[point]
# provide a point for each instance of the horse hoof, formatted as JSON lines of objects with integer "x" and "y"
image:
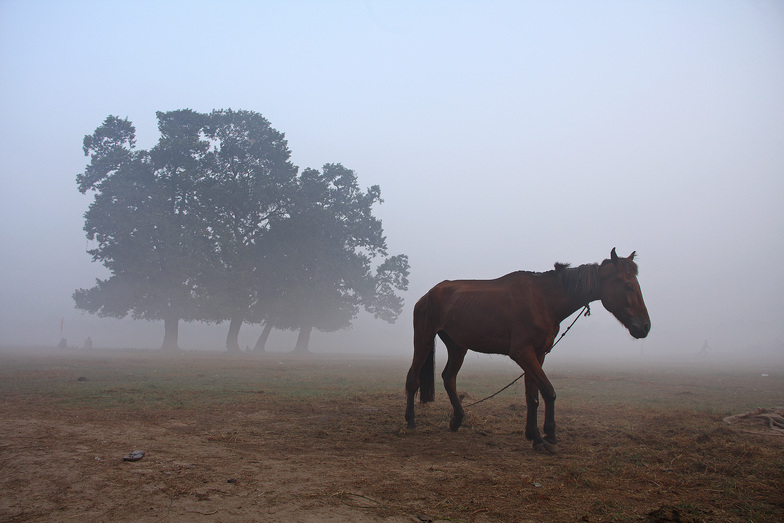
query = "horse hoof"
{"x": 411, "y": 425}
{"x": 545, "y": 446}
{"x": 455, "y": 423}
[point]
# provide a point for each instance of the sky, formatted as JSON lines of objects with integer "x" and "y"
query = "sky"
{"x": 504, "y": 136}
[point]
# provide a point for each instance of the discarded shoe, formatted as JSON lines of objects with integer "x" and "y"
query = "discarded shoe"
{"x": 136, "y": 455}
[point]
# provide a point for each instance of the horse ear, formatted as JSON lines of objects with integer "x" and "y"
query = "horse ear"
{"x": 613, "y": 256}
{"x": 632, "y": 255}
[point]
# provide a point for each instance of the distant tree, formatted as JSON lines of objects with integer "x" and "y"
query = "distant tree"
{"x": 251, "y": 181}
{"x": 320, "y": 259}
{"x": 213, "y": 224}
{"x": 145, "y": 220}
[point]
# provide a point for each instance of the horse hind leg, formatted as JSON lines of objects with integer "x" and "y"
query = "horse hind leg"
{"x": 453, "y": 364}
{"x": 420, "y": 375}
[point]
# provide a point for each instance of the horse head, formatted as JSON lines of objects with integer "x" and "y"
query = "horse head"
{"x": 621, "y": 294}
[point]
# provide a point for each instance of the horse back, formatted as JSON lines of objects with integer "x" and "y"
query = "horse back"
{"x": 484, "y": 315}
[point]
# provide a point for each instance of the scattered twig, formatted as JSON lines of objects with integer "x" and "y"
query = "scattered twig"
{"x": 379, "y": 505}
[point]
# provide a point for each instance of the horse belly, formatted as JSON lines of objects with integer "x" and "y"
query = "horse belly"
{"x": 479, "y": 331}
{"x": 491, "y": 322}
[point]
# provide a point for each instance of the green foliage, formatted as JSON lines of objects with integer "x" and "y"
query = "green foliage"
{"x": 321, "y": 255}
{"x": 214, "y": 224}
{"x": 251, "y": 181}
{"x": 391, "y": 275}
{"x": 111, "y": 146}
{"x": 145, "y": 220}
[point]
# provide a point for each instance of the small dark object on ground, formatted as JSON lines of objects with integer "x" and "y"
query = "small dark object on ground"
{"x": 675, "y": 514}
{"x": 136, "y": 455}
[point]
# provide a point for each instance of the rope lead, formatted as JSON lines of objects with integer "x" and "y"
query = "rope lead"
{"x": 586, "y": 310}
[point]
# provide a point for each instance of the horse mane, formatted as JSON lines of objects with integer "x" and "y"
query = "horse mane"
{"x": 581, "y": 282}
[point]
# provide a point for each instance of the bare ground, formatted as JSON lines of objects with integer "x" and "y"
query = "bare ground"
{"x": 277, "y": 438}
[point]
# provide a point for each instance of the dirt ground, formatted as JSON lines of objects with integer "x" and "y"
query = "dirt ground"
{"x": 277, "y": 438}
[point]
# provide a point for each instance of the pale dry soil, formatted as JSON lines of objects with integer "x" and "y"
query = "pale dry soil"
{"x": 278, "y": 438}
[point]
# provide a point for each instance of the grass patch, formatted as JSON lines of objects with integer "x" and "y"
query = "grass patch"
{"x": 155, "y": 381}
{"x": 632, "y": 443}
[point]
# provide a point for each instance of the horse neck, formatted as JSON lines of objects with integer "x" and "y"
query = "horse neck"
{"x": 578, "y": 287}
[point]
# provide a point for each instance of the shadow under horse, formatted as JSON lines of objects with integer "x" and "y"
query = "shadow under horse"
{"x": 518, "y": 315}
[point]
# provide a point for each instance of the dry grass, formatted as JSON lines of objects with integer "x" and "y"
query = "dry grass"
{"x": 323, "y": 439}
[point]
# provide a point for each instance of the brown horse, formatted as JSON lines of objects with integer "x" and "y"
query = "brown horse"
{"x": 518, "y": 315}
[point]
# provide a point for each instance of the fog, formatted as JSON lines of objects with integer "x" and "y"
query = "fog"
{"x": 504, "y": 136}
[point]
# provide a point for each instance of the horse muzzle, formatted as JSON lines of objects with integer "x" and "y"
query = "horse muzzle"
{"x": 639, "y": 328}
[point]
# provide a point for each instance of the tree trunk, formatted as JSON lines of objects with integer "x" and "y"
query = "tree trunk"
{"x": 261, "y": 343}
{"x": 232, "y": 340}
{"x": 171, "y": 325}
{"x": 303, "y": 339}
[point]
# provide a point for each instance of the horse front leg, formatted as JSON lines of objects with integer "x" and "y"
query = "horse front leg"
{"x": 532, "y": 405}
{"x": 550, "y": 441}
{"x": 536, "y": 382}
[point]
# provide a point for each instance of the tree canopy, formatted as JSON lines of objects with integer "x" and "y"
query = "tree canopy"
{"x": 215, "y": 224}
{"x": 322, "y": 252}
{"x": 144, "y": 219}
{"x": 251, "y": 181}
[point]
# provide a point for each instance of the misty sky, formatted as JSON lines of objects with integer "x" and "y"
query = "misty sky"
{"x": 504, "y": 136}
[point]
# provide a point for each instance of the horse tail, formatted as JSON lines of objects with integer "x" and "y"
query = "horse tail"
{"x": 425, "y": 346}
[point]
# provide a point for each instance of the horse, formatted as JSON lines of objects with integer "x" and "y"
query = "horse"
{"x": 518, "y": 315}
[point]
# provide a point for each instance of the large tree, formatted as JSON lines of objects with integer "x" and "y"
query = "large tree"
{"x": 145, "y": 220}
{"x": 251, "y": 181}
{"x": 319, "y": 260}
{"x": 213, "y": 224}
